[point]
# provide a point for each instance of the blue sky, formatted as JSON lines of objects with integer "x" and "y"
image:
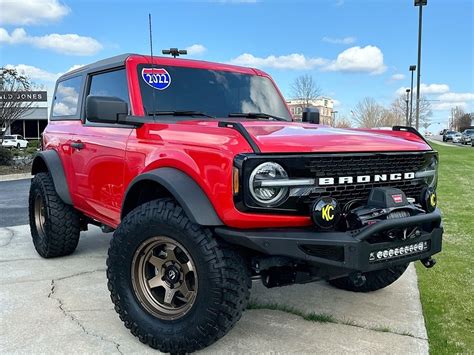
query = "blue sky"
{"x": 353, "y": 48}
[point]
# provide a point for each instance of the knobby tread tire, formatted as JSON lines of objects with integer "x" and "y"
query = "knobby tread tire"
{"x": 223, "y": 276}
{"x": 375, "y": 280}
{"x": 62, "y": 225}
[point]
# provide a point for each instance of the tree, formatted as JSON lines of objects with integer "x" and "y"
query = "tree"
{"x": 343, "y": 122}
{"x": 368, "y": 113}
{"x": 305, "y": 89}
{"x": 10, "y": 111}
{"x": 463, "y": 122}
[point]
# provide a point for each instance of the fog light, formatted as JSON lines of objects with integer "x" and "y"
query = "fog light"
{"x": 326, "y": 212}
{"x": 429, "y": 199}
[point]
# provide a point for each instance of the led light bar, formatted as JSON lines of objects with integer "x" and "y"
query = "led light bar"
{"x": 406, "y": 250}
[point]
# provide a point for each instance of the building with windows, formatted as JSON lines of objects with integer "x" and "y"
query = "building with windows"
{"x": 325, "y": 105}
{"x": 31, "y": 124}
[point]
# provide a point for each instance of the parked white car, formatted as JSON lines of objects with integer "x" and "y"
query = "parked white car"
{"x": 457, "y": 138}
{"x": 14, "y": 141}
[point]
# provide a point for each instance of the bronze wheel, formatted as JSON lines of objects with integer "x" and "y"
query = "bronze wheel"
{"x": 164, "y": 278}
{"x": 40, "y": 215}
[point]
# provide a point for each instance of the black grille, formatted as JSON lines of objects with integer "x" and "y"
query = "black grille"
{"x": 336, "y": 165}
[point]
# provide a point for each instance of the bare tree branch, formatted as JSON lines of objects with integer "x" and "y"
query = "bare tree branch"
{"x": 10, "y": 111}
{"x": 305, "y": 89}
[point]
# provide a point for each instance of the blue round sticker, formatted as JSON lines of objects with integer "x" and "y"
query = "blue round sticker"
{"x": 157, "y": 78}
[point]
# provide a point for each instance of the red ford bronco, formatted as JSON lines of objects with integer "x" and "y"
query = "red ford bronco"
{"x": 207, "y": 184}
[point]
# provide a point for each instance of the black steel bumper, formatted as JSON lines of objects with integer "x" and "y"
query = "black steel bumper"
{"x": 342, "y": 250}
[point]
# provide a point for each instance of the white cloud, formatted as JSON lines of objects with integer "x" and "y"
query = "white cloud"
{"x": 336, "y": 103}
{"x": 27, "y": 12}
{"x": 71, "y": 43}
{"x": 196, "y": 49}
{"x": 74, "y": 67}
{"x": 355, "y": 59}
{"x": 345, "y": 40}
{"x": 34, "y": 73}
{"x": 292, "y": 61}
{"x": 456, "y": 97}
{"x": 446, "y": 106}
{"x": 396, "y": 77}
{"x": 427, "y": 89}
{"x": 359, "y": 59}
{"x": 37, "y": 74}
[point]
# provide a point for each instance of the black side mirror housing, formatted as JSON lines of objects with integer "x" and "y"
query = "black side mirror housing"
{"x": 105, "y": 109}
{"x": 310, "y": 115}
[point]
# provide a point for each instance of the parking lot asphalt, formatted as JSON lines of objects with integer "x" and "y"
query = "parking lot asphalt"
{"x": 63, "y": 306}
{"x": 14, "y": 202}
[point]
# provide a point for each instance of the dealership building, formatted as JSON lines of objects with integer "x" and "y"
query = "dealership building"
{"x": 31, "y": 124}
{"x": 325, "y": 106}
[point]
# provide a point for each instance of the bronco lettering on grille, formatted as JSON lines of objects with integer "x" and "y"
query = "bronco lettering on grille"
{"x": 362, "y": 179}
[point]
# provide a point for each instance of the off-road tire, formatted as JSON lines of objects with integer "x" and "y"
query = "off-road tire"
{"x": 223, "y": 276}
{"x": 375, "y": 280}
{"x": 61, "y": 229}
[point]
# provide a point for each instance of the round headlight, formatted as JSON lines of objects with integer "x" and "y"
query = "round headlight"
{"x": 267, "y": 195}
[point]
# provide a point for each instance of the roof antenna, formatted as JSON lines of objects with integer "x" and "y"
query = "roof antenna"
{"x": 152, "y": 64}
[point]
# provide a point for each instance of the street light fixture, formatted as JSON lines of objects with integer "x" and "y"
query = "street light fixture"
{"x": 420, "y": 4}
{"x": 412, "y": 68}
{"x": 407, "y": 100}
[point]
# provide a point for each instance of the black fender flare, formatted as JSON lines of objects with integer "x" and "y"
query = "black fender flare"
{"x": 185, "y": 190}
{"x": 50, "y": 160}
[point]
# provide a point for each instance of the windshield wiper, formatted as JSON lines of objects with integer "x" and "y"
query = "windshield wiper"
{"x": 256, "y": 115}
{"x": 178, "y": 113}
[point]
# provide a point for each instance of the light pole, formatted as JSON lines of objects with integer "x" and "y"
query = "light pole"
{"x": 407, "y": 100}
{"x": 334, "y": 118}
{"x": 420, "y": 4}
{"x": 412, "y": 68}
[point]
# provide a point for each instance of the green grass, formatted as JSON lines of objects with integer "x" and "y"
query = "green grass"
{"x": 447, "y": 290}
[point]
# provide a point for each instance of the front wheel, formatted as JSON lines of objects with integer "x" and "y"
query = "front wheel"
{"x": 175, "y": 286}
{"x": 375, "y": 280}
{"x": 54, "y": 225}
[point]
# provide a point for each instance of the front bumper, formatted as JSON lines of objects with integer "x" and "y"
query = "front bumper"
{"x": 343, "y": 252}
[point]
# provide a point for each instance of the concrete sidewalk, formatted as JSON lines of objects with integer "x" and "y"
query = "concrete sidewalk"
{"x": 63, "y": 306}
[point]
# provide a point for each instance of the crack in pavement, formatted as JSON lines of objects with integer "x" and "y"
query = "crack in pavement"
{"x": 10, "y": 237}
{"x": 313, "y": 317}
{"x": 67, "y": 313}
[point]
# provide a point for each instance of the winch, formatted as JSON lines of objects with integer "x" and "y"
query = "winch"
{"x": 385, "y": 203}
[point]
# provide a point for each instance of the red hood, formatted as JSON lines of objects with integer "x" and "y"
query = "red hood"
{"x": 279, "y": 137}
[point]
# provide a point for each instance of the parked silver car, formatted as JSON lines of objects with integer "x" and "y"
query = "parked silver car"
{"x": 467, "y": 136}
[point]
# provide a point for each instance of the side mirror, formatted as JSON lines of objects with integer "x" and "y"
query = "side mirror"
{"x": 310, "y": 115}
{"x": 105, "y": 109}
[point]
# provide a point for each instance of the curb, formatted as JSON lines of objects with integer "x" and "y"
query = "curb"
{"x": 12, "y": 177}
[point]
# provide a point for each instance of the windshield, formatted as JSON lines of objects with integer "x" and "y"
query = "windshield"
{"x": 212, "y": 92}
{"x": 8, "y": 137}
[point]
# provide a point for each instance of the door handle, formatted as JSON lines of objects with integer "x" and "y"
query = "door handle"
{"x": 77, "y": 145}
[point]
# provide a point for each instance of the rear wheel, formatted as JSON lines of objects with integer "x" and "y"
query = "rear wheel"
{"x": 54, "y": 225}
{"x": 175, "y": 286}
{"x": 375, "y": 280}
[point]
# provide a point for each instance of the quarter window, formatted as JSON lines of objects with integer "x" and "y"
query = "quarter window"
{"x": 66, "y": 98}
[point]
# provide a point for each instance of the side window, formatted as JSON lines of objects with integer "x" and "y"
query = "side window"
{"x": 66, "y": 97}
{"x": 112, "y": 83}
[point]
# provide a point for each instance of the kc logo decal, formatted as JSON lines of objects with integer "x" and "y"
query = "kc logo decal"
{"x": 157, "y": 78}
{"x": 327, "y": 213}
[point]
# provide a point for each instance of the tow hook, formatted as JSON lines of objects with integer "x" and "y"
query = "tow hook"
{"x": 357, "y": 279}
{"x": 428, "y": 262}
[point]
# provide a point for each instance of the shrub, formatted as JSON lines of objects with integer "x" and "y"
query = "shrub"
{"x": 6, "y": 156}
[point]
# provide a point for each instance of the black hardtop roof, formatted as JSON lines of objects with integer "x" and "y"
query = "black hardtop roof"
{"x": 101, "y": 64}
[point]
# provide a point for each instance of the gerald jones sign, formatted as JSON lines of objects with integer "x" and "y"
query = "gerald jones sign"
{"x": 26, "y": 96}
